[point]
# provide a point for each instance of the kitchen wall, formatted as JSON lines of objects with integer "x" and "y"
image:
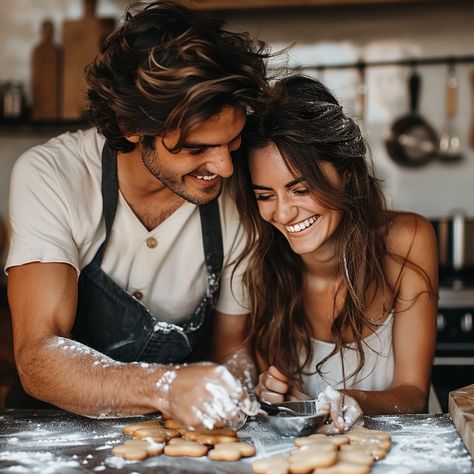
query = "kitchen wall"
{"x": 327, "y": 35}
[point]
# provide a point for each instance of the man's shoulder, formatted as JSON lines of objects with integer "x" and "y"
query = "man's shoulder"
{"x": 68, "y": 155}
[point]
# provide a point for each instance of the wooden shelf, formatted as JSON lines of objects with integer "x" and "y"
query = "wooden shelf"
{"x": 254, "y": 4}
{"x": 47, "y": 128}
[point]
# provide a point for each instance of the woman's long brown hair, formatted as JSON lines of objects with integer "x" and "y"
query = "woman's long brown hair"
{"x": 308, "y": 126}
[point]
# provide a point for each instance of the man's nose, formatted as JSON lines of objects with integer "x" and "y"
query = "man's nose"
{"x": 221, "y": 163}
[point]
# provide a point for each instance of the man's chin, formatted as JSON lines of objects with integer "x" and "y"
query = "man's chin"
{"x": 204, "y": 196}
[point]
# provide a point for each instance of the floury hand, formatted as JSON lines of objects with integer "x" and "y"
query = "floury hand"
{"x": 344, "y": 410}
{"x": 201, "y": 395}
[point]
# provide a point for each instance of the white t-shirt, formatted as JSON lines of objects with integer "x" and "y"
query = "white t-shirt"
{"x": 376, "y": 373}
{"x": 56, "y": 216}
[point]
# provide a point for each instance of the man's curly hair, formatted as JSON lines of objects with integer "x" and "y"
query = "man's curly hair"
{"x": 169, "y": 67}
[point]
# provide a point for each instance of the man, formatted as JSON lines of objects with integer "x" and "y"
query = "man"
{"x": 118, "y": 268}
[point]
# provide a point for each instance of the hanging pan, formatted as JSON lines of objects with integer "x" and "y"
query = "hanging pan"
{"x": 412, "y": 141}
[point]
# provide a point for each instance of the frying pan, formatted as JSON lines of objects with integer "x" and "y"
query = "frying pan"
{"x": 412, "y": 141}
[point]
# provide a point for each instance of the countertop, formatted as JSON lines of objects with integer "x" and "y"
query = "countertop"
{"x": 50, "y": 441}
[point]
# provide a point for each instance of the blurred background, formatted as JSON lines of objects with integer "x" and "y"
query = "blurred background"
{"x": 369, "y": 53}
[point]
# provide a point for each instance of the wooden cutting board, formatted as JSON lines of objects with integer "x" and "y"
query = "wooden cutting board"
{"x": 461, "y": 410}
{"x": 45, "y": 76}
{"x": 81, "y": 42}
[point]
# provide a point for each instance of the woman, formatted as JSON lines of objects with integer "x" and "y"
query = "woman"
{"x": 343, "y": 291}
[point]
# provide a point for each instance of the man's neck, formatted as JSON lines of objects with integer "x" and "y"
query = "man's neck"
{"x": 151, "y": 201}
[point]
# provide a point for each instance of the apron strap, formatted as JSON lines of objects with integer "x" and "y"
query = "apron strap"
{"x": 212, "y": 241}
{"x": 110, "y": 190}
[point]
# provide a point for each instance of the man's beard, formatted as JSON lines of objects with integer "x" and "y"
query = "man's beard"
{"x": 206, "y": 195}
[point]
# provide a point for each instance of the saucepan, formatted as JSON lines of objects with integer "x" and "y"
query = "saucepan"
{"x": 455, "y": 234}
{"x": 293, "y": 418}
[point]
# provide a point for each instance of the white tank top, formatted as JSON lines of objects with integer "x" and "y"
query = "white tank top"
{"x": 376, "y": 373}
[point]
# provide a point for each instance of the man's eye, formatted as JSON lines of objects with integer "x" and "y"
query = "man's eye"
{"x": 197, "y": 151}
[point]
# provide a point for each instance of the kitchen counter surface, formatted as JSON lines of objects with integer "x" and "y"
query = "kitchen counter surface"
{"x": 44, "y": 441}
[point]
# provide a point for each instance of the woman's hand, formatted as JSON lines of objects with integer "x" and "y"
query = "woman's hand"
{"x": 344, "y": 410}
{"x": 272, "y": 386}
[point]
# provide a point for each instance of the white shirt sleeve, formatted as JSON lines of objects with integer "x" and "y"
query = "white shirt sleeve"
{"x": 39, "y": 217}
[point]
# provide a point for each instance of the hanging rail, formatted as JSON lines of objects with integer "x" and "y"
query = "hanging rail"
{"x": 426, "y": 61}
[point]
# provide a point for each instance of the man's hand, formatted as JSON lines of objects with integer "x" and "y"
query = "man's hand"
{"x": 201, "y": 395}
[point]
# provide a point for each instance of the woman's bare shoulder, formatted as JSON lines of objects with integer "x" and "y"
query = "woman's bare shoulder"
{"x": 408, "y": 233}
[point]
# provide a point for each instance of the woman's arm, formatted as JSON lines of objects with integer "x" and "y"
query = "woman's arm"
{"x": 414, "y": 327}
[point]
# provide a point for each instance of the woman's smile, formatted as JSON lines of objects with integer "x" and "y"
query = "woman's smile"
{"x": 301, "y": 226}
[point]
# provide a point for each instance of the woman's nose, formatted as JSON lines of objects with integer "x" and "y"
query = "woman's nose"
{"x": 285, "y": 212}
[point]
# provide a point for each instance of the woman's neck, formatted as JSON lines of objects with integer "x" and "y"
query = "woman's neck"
{"x": 320, "y": 264}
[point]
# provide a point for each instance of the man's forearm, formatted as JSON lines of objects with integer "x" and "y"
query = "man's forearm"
{"x": 76, "y": 378}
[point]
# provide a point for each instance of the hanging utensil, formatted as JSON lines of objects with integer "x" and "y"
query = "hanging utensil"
{"x": 450, "y": 143}
{"x": 412, "y": 141}
{"x": 362, "y": 95}
{"x": 472, "y": 119}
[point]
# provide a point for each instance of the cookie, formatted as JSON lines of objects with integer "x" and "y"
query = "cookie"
{"x": 375, "y": 440}
{"x": 375, "y": 443}
{"x": 156, "y": 433}
{"x": 356, "y": 456}
{"x": 231, "y": 451}
{"x": 343, "y": 468}
{"x": 276, "y": 464}
{"x": 129, "y": 429}
{"x": 311, "y": 456}
{"x": 173, "y": 425}
{"x": 371, "y": 433}
{"x": 337, "y": 440}
{"x": 132, "y": 454}
{"x": 220, "y": 432}
{"x": 182, "y": 447}
{"x": 208, "y": 439}
{"x": 376, "y": 453}
{"x": 138, "y": 449}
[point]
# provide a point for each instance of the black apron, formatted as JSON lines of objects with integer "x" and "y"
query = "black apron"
{"x": 115, "y": 323}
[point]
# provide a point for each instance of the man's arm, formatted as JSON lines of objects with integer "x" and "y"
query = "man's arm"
{"x": 72, "y": 376}
{"x": 231, "y": 347}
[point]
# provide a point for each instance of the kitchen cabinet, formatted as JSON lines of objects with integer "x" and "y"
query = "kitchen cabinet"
{"x": 251, "y": 4}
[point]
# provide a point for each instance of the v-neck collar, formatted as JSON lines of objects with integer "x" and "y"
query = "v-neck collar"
{"x": 186, "y": 207}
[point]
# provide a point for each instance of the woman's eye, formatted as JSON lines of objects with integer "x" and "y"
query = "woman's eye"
{"x": 301, "y": 192}
{"x": 263, "y": 197}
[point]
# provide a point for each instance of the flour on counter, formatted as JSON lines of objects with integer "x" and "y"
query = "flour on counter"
{"x": 37, "y": 462}
{"x": 425, "y": 447}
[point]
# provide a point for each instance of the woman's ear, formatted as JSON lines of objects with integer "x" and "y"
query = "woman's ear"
{"x": 133, "y": 138}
